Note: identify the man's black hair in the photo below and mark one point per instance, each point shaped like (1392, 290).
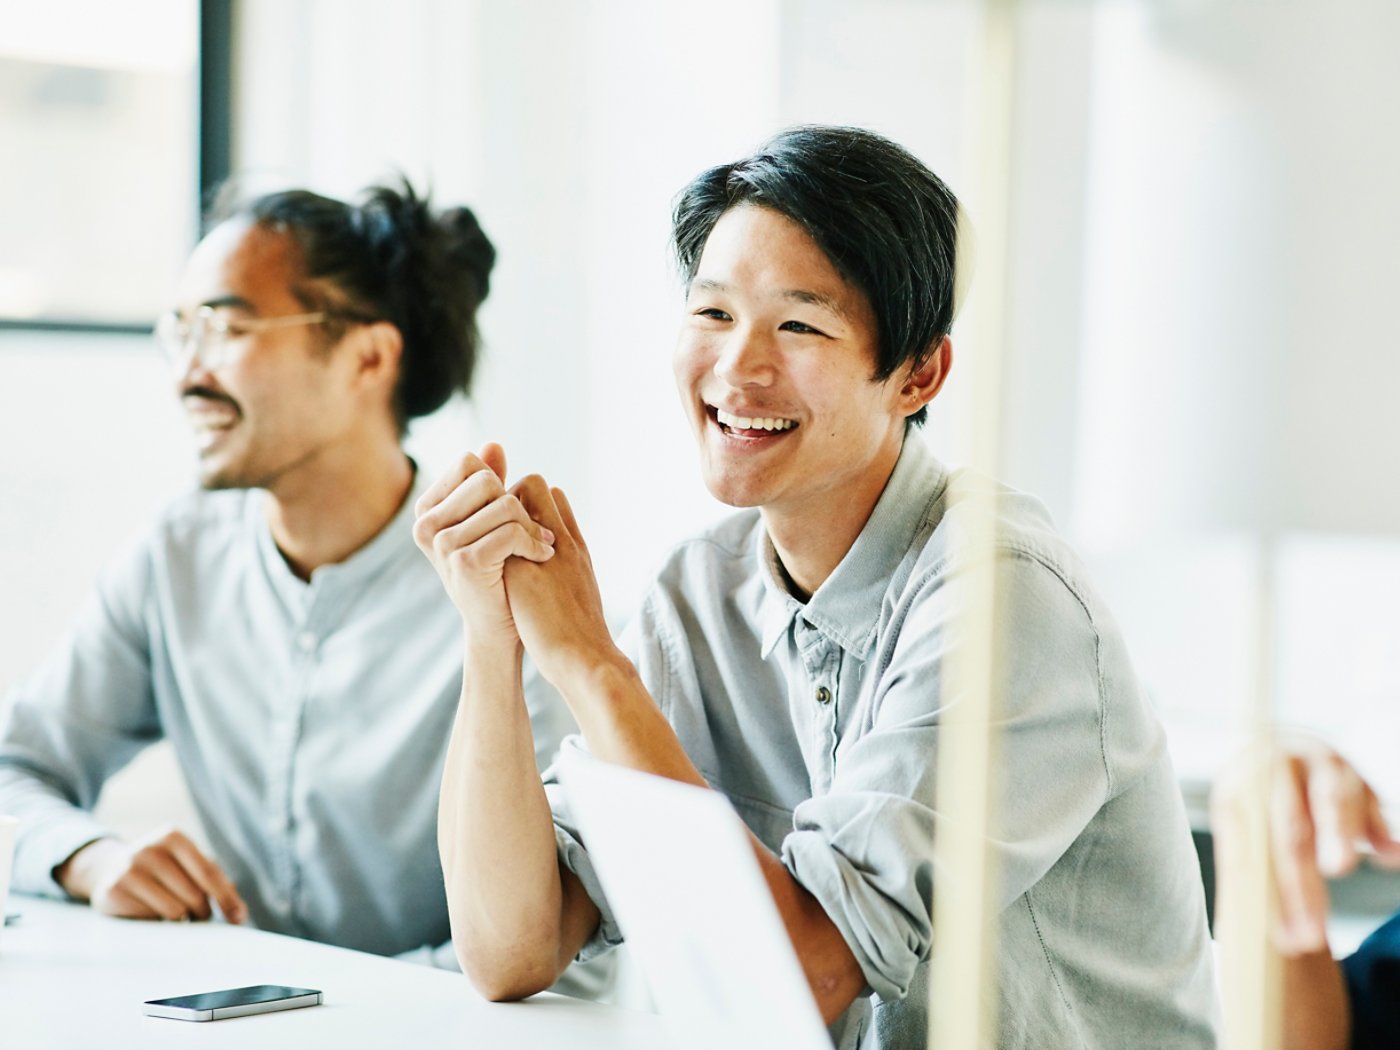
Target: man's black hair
(390, 258)
(887, 223)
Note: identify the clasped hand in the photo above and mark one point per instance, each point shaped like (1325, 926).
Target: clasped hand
(514, 562)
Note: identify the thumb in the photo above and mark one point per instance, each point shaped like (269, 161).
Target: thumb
(494, 456)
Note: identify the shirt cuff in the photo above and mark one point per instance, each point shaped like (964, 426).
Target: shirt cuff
(574, 857)
(45, 847)
(439, 957)
(887, 951)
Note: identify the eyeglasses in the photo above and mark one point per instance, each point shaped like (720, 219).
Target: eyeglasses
(209, 336)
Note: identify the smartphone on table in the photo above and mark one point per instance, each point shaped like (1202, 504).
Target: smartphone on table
(233, 1002)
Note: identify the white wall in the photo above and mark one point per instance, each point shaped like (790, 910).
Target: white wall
(1237, 380)
(1147, 227)
(571, 125)
(91, 442)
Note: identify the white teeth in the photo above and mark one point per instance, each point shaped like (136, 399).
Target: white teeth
(209, 418)
(747, 423)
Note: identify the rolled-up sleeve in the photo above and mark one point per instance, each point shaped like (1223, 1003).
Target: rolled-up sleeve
(865, 849)
(574, 857)
(568, 841)
(855, 854)
(83, 715)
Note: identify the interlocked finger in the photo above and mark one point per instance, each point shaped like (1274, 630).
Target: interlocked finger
(566, 513)
(448, 482)
(533, 493)
(499, 530)
(471, 495)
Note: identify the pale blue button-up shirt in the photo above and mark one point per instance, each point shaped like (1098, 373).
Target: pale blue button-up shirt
(820, 722)
(311, 720)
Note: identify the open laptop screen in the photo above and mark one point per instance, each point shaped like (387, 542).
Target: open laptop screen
(692, 902)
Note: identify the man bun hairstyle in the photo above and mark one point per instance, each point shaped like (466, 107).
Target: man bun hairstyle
(391, 258)
(888, 224)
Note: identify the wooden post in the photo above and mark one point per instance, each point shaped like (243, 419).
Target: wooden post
(1251, 972)
(961, 996)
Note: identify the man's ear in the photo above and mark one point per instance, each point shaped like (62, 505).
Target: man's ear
(377, 353)
(925, 377)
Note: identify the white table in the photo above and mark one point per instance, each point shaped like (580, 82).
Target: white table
(70, 977)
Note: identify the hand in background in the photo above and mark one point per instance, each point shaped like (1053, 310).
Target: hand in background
(164, 876)
(1322, 817)
(469, 525)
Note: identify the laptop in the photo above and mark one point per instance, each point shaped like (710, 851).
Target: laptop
(692, 902)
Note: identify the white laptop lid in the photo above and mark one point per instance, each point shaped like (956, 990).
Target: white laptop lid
(692, 902)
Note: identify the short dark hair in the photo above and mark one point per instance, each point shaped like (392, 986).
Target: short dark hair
(887, 223)
(389, 258)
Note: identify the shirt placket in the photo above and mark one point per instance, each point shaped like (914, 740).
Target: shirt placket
(287, 723)
(821, 662)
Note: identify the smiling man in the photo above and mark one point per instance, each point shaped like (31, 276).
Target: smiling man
(791, 657)
(278, 625)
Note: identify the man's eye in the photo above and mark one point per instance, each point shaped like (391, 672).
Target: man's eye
(713, 313)
(800, 328)
(233, 326)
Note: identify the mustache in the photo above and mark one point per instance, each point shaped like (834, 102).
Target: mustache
(204, 393)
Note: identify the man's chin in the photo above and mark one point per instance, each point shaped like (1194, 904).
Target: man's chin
(732, 493)
(214, 476)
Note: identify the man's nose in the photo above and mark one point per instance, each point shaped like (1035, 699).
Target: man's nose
(190, 371)
(747, 358)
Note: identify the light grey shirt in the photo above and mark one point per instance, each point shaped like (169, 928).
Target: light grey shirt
(311, 720)
(820, 722)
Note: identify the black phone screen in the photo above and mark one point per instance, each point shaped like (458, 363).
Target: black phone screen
(220, 1000)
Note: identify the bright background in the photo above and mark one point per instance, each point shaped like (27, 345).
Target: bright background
(1200, 366)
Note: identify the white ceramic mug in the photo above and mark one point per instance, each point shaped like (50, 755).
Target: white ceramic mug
(8, 826)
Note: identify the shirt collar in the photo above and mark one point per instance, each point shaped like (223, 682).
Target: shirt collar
(778, 607)
(846, 607)
(386, 545)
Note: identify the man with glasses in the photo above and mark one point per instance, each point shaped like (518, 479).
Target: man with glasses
(278, 625)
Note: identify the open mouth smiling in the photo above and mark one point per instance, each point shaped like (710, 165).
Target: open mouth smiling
(749, 426)
(210, 416)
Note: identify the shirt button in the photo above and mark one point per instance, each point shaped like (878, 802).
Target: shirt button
(823, 695)
(307, 641)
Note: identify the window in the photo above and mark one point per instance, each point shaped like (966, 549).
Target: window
(100, 192)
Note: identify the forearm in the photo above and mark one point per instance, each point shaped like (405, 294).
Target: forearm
(496, 838)
(1316, 1012)
(620, 721)
(832, 971)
